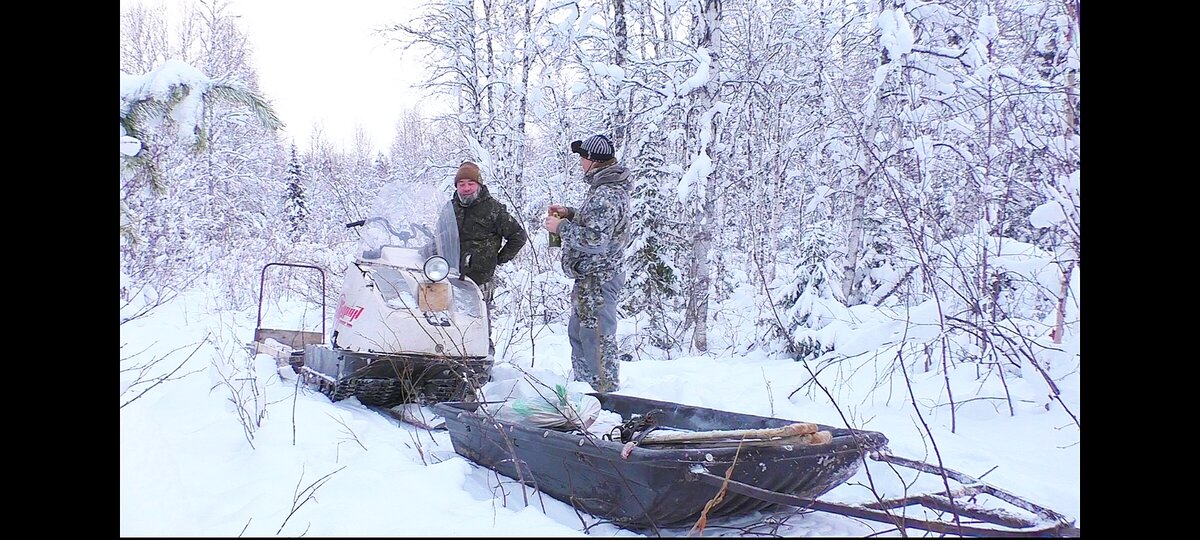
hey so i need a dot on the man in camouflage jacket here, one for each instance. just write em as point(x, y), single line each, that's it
point(487, 235)
point(594, 238)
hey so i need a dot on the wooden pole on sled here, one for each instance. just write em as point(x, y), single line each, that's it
point(797, 433)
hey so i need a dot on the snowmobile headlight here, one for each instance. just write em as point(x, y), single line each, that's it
point(436, 268)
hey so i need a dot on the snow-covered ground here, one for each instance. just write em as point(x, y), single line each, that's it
point(231, 446)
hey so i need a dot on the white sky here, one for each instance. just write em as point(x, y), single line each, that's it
point(187, 468)
point(318, 62)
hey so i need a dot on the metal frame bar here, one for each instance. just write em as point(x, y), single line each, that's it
point(262, 283)
point(1050, 523)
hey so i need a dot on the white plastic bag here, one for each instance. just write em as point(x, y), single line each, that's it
point(542, 399)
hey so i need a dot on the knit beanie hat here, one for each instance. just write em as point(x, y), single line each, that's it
point(468, 170)
point(596, 148)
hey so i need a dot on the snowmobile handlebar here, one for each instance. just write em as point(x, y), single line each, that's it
point(402, 235)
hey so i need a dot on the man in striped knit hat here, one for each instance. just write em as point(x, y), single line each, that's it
point(594, 237)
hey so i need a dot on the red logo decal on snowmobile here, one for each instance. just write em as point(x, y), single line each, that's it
point(347, 314)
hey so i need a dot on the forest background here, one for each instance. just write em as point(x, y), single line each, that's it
point(820, 158)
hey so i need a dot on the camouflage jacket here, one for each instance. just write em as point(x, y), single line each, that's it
point(595, 235)
point(482, 225)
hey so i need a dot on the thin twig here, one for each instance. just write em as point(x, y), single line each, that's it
point(302, 496)
point(166, 377)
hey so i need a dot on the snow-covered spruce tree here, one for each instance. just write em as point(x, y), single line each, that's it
point(811, 301)
point(295, 208)
point(652, 277)
point(884, 277)
point(382, 166)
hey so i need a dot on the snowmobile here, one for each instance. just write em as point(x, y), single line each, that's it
point(409, 327)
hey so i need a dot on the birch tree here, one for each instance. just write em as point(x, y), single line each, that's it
point(448, 32)
point(704, 88)
point(144, 38)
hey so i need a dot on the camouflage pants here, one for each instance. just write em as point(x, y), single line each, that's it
point(592, 332)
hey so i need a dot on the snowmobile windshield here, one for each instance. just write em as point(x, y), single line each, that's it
point(406, 214)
